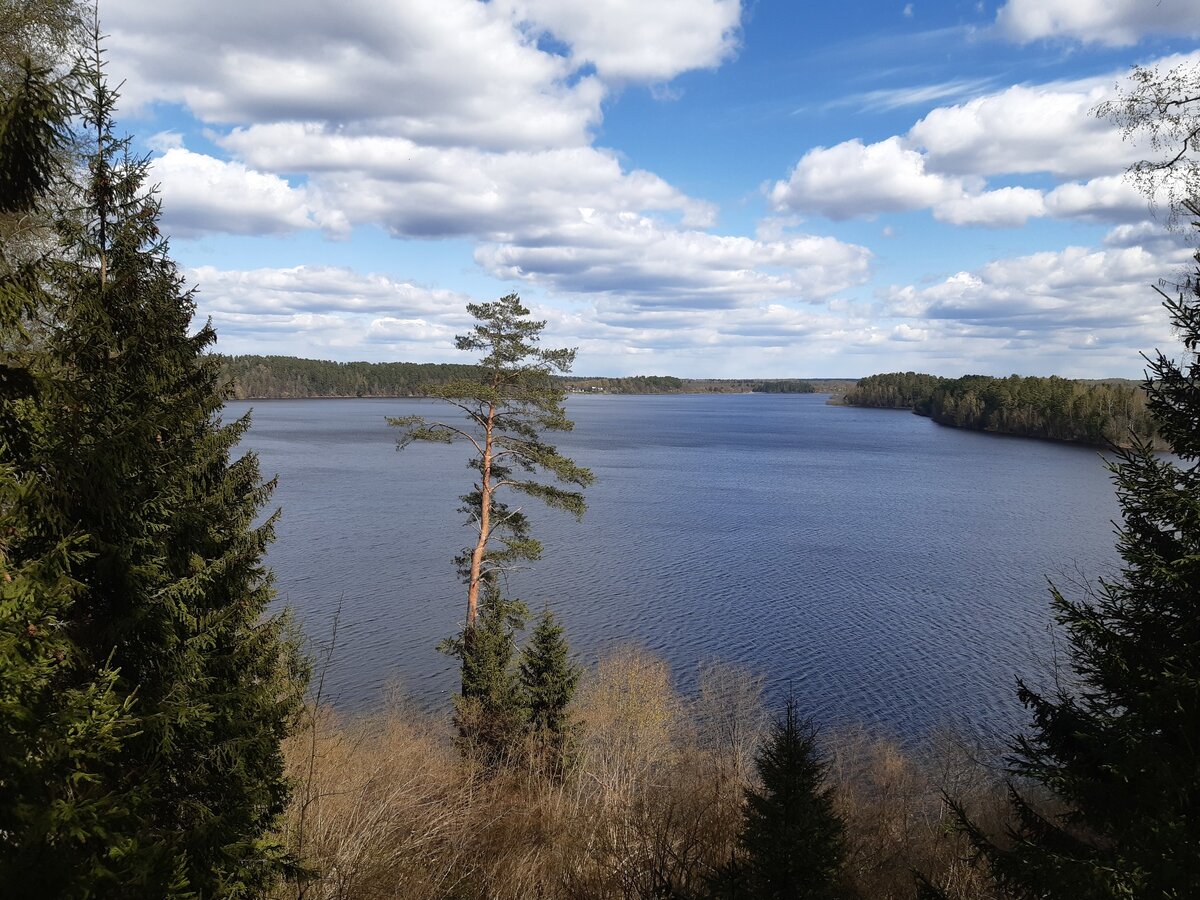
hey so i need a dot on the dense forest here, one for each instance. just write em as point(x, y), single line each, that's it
point(1100, 413)
point(287, 377)
point(896, 390)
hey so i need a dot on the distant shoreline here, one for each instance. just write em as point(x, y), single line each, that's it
point(817, 393)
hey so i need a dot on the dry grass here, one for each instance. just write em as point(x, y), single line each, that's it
point(386, 807)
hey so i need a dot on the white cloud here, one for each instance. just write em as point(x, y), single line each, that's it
point(1079, 312)
point(913, 95)
point(328, 311)
point(1104, 291)
point(472, 74)
point(1114, 22)
point(907, 333)
point(634, 40)
point(1110, 198)
point(479, 121)
point(335, 312)
point(202, 195)
point(650, 265)
point(1023, 130)
point(853, 179)
point(415, 190)
point(945, 160)
point(164, 141)
point(463, 76)
point(1002, 208)
point(1151, 236)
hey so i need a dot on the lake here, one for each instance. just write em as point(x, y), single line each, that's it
point(887, 570)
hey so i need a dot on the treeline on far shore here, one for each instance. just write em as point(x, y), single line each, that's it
point(289, 377)
point(1099, 413)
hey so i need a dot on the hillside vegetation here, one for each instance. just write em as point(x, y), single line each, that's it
point(1099, 413)
point(288, 377)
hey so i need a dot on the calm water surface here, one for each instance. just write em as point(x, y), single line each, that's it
point(888, 570)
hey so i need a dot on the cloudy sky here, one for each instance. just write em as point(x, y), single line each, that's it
point(688, 187)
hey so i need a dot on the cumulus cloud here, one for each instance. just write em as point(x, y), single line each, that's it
point(475, 122)
point(163, 141)
point(1021, 130)
point(1149, 235)
point(202, 195)
point(853, 179)
point(422, 191)
point(1110, 198)
point(474, 74)
point(328, 310)
point(336, 312)
point(634, 40)
point(1087, 309)
point(1005, 207)
point(784, 339)
point(463, 76)
point(1113, 22)
point(652, 266)
point(944, 162)
point(320, 289)
point(1103, 291)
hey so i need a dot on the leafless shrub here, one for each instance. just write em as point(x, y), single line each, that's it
point(897, 820)
point(649, 805)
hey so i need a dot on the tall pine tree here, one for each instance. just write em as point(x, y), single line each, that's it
point(507, 411)
point(1119, 747)
point(145, 529)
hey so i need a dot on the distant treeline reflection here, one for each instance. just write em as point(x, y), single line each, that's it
point(289, 377)
point(1061, 409)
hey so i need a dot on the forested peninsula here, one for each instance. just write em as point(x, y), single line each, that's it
point(1098, 413)
point(289, 377)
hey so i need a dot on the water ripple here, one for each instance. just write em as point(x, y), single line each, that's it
point(887, 570)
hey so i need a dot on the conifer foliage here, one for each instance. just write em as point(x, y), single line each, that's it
point(145, 691)
point(508, 408)
point(548, 680)
point(489, 712)
point(1119, 748)
point(507, 411)
point(792, 840)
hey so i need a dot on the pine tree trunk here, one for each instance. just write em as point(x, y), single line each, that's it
point(485, 525)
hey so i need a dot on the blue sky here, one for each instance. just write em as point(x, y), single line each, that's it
point(688, 187)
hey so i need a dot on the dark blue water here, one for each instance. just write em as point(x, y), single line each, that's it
point(888, 570)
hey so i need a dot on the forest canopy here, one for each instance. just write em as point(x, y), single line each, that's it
point(287, 377)
point(1100, 413)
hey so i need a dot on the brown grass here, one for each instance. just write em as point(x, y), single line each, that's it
point(387, 808)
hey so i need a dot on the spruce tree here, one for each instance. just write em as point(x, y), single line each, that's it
point(488, 713)
point(58, 726)
point(145, 530)
point(548, 681)
point(792, 841)
point(1118, 747)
